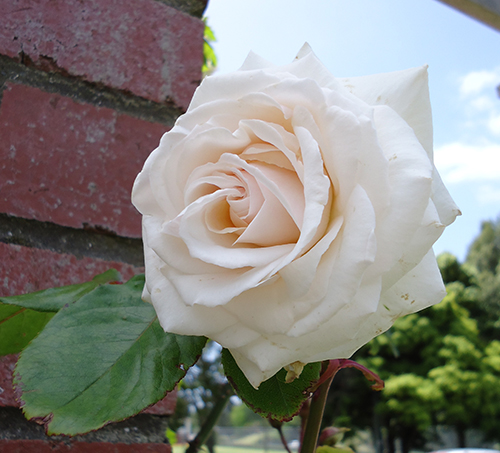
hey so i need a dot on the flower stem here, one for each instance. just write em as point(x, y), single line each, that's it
point(317, 406)
point(278, 426)
point(313, 423)
point(211, 420)
point(283, 441)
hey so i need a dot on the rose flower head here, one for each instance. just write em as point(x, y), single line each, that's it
point(289, 215)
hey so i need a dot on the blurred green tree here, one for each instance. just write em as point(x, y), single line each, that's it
point(483, 261)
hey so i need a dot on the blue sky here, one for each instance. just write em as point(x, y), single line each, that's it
point(359, 37)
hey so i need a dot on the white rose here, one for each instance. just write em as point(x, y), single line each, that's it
point(290, 215)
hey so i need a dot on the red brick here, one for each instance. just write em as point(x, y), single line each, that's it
point(144, 46)
point(166, 406)
point(25, 269)
point(47, 446)
point(7, 395)
point(70, 163)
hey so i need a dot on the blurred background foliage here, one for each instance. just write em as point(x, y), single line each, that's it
point(209, 56)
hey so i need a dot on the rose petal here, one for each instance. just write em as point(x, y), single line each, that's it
point(300, 273)
point(279, 137)
point(445, 206)
point(308, 66)
point(353, 156)
point(215, 289)
point(145, 195)
point(254, 61)
point(273, 224)
point(227, 113)
point(348, 331)
point(231, 86)
point(338, 330)
point(410, 179)
point(416, 290)
point(406, 92)
point(175, 316)
point(357, 250)
point(287, 187)
point(317, 191)
point(264, 152)
point(253, 309)
point(293, 93)
point(214, 248)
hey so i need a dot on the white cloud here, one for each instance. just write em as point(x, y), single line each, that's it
point(480, 103)
point(470, 165)
point(475, 82)
point(483, 103)
point(459, 162)
point(494, 124)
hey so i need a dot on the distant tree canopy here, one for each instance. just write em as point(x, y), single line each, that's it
point(483, 261)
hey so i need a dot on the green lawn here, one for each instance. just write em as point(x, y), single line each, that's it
point(182, 449)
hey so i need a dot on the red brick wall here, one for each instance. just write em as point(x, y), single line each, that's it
point(87, 88)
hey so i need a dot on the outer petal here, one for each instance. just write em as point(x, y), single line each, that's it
point(410, 179)
point(175, 316)
point(406, 92)
point(231, 86)
point(350, 329)
point(445, 206)
point(356, 251)
point(418, 289)
point(254, 61)
point(308, 66)
point(147, 199)
point(352, 155)
point(196, 281)
point(340, 330)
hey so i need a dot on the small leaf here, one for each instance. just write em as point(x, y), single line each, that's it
point(53, 299)
point(209, 56)
point(208, 33)
point(23, 317)
point(274, 398)
point(171, 436)
point(100, 360)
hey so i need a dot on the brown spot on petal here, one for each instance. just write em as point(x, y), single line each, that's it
point(405, 296)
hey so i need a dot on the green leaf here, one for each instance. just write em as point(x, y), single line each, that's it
point(209, 56)
point(171, 436)
point(100, 360)
point(18, 326)
point(274, 398)
point(208, 34)
point(23, 317)
point(53, 299)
